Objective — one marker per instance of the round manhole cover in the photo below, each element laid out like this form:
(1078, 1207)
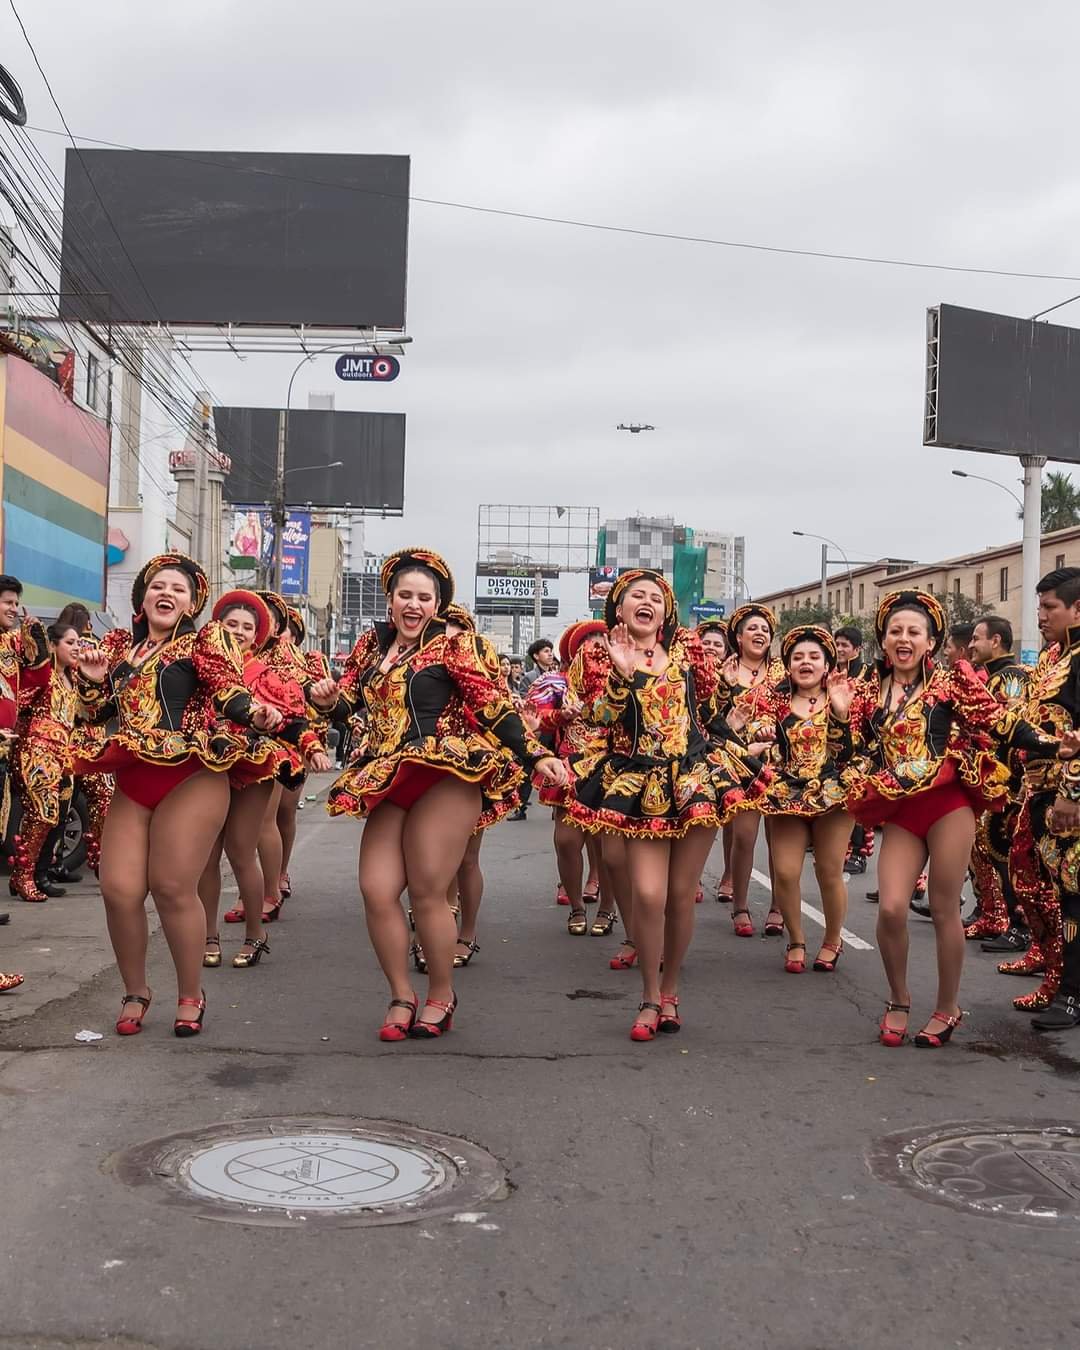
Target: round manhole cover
(1026, 1173)
(295, 1171)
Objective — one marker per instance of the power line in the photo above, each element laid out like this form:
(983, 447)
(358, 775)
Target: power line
(571, 222)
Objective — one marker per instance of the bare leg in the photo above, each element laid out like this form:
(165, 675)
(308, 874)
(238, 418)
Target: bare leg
(183, 829)
(613, 852)
(269, 850)
(686, 860)
(286, 820)
(723, 886)
(470, 887)
(568, 841)
(437, 829)
(648, 861)
(950, 841)
(592, 852)
(243, 829)
(210, 891)
(790, 836)
(124, 887)
(382, 879)
(831, 834)
(902, 858)
(744, 833)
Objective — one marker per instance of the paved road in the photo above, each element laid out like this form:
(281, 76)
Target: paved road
(705, 1190)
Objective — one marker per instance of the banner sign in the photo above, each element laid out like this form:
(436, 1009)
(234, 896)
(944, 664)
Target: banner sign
(252, 548)
(709, 609)
(512, 590)
(601, 580)
(357, 366)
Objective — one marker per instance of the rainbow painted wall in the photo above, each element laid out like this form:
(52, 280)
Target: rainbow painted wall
(54, 490)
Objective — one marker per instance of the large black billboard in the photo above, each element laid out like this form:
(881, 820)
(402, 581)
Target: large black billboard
(216, 238)
(998, 383)
(370, 446)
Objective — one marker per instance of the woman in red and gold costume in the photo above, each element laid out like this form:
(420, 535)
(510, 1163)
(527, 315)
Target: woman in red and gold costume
(89, 737)
(713, 634)
(808, 719)
(931, 735)
(43, 763)
(423, 775)
(657, 780)
(177, 696)
(247, 618)
(750, 674)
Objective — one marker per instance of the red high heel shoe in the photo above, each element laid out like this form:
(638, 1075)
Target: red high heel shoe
(699, 895)
(667, 1023)
(744, 924)
(934, 1040)
(399, 1031)
(272, 914)
(646, 1031)
(430, 1030)
(791, 965)
(235, 915)
(131, 1026)
(561, 898)
(187, 1026)
(625, 959)
(591, 894)
(820, 963)
(888, 1035)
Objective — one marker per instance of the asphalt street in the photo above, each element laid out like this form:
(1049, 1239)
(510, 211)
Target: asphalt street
(707, 1189)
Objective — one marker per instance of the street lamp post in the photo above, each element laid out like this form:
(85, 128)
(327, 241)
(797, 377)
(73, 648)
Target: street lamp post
(825, 546)
(279, 515)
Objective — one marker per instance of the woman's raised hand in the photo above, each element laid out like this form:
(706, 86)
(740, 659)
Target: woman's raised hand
(622, 651)
(841, 693)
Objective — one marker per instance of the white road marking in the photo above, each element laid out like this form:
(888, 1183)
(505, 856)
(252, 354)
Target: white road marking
(850, 939)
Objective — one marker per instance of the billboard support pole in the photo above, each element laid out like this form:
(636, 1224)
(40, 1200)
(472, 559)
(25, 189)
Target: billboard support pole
(515, 633)
(1029, 629)
(279, 503)
(201, 532)
(538, 596)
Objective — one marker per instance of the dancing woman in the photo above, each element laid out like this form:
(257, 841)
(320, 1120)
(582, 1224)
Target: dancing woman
(167, 686)
(809, 716)
(247, 618)
(749, 670)
(931, 733)
(43, 765)
(88, 739)
(656, 781)
(421, 774)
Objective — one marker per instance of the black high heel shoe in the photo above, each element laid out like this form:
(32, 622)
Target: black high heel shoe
(245, 960)
(184, 1026)
(602, 924)
(419, 960)
(460, 962)
(934, 1040)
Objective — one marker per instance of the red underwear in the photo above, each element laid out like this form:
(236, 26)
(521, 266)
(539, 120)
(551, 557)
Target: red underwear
(919, 814)
(409, 784)
(150, 784)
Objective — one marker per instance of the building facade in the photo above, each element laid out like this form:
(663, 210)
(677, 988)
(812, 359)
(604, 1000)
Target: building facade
(851, 593)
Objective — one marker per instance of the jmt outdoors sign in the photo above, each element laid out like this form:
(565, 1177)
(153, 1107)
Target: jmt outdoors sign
(512, 590)
(359, 367)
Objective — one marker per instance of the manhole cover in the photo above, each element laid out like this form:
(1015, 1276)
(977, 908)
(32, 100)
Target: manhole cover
(1026, 1173)
(302, 1170)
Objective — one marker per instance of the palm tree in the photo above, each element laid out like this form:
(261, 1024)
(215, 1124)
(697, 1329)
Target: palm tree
(1060, 502)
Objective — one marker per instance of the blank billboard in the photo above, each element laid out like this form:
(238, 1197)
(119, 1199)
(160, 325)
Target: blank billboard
(217, 238)
(1001, 384)
(370, 446)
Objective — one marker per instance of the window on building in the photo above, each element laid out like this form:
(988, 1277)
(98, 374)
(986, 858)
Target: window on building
(93, 375)
(862, 600)
(956, 587)
(1059, 561)
(1003, 584)
(978, 587)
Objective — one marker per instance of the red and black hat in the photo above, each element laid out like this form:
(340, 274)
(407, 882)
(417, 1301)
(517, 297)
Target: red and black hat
(255, 603)
(405, 558)
(279, 609)
(178, 562)
(581, 632)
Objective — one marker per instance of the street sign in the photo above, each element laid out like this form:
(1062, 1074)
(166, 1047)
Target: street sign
(357, 366)
(708, 610)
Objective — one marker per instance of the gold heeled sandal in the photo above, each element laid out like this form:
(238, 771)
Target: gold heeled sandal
(212, 959)
(244, 960)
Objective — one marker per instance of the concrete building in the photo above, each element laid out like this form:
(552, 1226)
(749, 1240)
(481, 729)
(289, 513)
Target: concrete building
(641, 541)
(853, 593)
(325, 570)
(725, 565)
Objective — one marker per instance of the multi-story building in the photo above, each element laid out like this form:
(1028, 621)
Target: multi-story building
(725, 565)
(700, 564)
(853, 593)
(641, 541)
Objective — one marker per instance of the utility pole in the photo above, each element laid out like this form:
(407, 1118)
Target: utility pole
(538, 605)
(279, 513)
(201, 541)
(824, 576)
(1029, 627)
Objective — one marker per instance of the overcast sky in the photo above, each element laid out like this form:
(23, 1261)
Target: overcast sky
(786, 392)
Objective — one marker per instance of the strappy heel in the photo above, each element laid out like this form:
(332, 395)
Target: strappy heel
(419, 960)
(399, 1031)
(285, 886)
(773, 929)
(430, 1030)
(185, 1026)
(272, 914)
(578, 923)
(888, 1035)
(131, 1026)
(791, 965)
(744, 924)
(590, 897)
(934, 1040)
(667, 1023)
(603, 923)
(624, 959)
(646, 1031)
(460, 962)
(829, 966)
(245, 960)
(212, 959)
(235, 915)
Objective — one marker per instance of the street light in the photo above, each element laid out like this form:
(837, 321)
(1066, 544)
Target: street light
(825, 544)
(279, 514)
(963, 473)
